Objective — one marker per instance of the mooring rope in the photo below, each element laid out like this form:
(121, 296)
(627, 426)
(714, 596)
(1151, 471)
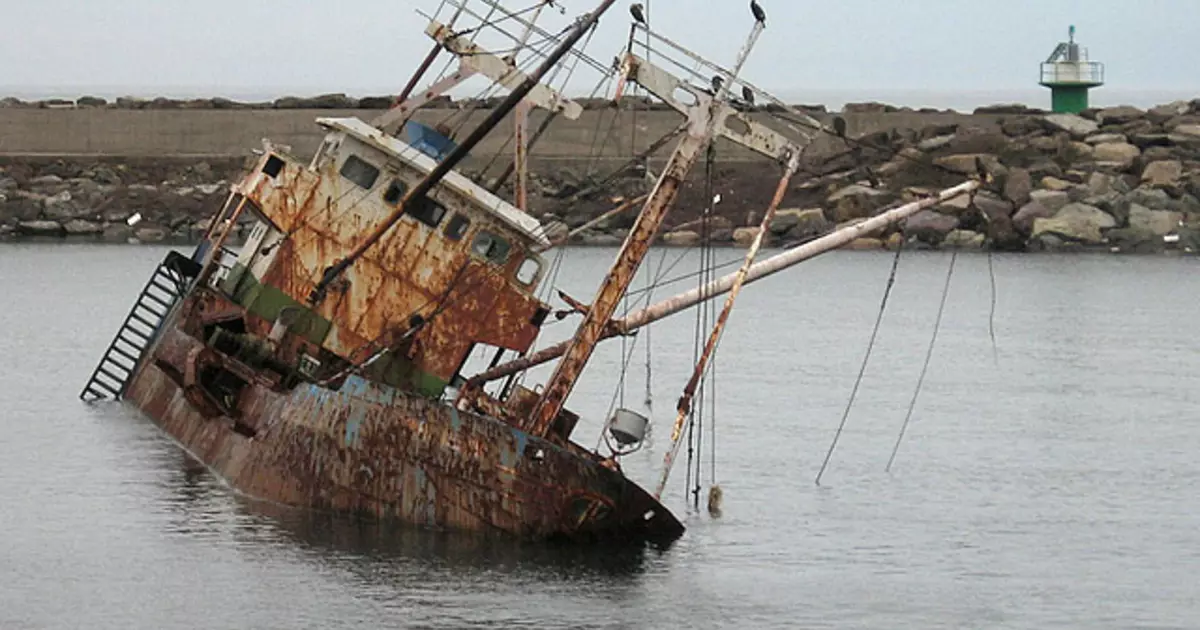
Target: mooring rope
(928, 355)
(863, 368)
(992, 311)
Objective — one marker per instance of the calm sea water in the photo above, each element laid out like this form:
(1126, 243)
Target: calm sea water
(1046, 481)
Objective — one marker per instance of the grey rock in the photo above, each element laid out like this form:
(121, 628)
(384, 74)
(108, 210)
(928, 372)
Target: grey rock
(1163, 173)
(79, 227)
(857, 201)
(1106, 138)
(681, 238)
(1163, 113)
(1100, 183)
(1144, 141)
(929, 226)
(935, 143)
(1119, 153)
(118, 233)
(22, 205)
(1152, 198)
(806, 224)
(1018, 186)
(151, 234)
(1156, 222)
(1119, 115)
(1023, 219)
(1052, 200)
(40, 228)
(1076, 222)
(1191, 129)
(62, 206)
(966, 163)
(963, 239)
(991, 206)
(45, 181)
(1023, 126)
(1077, 126)
(1134, 241)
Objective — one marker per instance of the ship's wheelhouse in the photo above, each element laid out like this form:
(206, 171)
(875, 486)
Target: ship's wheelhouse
(459, 269)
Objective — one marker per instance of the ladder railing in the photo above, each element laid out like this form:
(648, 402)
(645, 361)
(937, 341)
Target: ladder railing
(168, 282)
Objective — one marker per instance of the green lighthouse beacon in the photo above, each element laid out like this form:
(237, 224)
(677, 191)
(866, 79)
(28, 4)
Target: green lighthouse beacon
(1070, 75)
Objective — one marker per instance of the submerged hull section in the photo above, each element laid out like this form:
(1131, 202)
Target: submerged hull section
(371, 450)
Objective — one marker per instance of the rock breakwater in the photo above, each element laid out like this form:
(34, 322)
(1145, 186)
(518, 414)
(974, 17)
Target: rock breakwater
(1118, 179)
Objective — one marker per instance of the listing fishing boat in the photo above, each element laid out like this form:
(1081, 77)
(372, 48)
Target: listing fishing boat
(323, 363)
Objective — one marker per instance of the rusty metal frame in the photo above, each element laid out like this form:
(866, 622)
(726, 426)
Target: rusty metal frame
(684, 407)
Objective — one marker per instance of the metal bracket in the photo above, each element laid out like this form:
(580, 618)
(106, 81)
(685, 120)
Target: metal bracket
(666, 86)
(475, 60)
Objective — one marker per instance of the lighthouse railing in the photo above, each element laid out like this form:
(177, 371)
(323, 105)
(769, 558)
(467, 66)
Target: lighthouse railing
(1091, 72)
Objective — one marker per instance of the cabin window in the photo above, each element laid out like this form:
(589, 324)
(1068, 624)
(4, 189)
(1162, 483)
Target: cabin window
(457, 227)
(395, 192)
(427, 211)
(273, 166)
(528, 271)
(490, 246)
(359, 171)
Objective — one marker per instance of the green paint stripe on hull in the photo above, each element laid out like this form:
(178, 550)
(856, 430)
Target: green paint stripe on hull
(267, 301)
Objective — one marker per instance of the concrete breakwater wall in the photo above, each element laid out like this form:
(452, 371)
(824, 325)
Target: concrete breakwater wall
(1118, 179)
(604, 133)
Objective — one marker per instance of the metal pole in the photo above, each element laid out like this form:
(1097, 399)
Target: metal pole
(494, 117)
(758, 270)
(591, 330)
(684, 407)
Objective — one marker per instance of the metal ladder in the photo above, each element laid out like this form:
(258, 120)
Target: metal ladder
(160, 294)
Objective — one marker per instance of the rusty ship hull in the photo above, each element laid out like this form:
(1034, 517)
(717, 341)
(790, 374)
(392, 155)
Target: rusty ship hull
(370, 450)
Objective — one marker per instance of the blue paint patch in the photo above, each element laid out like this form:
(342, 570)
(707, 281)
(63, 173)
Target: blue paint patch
(509, 457)
(455, 420)
(358, 413)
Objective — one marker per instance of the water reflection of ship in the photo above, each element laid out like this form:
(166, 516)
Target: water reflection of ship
(361, 543)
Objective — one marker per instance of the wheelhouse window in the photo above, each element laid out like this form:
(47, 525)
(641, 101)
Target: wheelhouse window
(490, 246)
(457, 227)
(359, 171)
(395, 192)
(427, 211)
(529, 270)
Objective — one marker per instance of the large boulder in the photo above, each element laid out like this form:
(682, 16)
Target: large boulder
(857, 202)
(681, 238)
(1077, 126)
(1162, 113)
(1052, 200)
(1134, 240)
(1018, 186)
(1163, 173)
(1119, 154)
(744, 236)
(809, 224)
(1156, 222)
(963, 239)
(928, 226)
(1119, 115)
(1076, 222)
(40, 228)
(21, 205)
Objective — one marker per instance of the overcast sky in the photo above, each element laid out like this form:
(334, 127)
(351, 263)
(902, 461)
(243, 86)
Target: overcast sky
(810, 52)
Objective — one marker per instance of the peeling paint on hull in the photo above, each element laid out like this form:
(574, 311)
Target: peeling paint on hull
(374, 451)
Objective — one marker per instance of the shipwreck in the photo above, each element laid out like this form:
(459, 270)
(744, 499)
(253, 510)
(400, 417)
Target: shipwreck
(322, 362)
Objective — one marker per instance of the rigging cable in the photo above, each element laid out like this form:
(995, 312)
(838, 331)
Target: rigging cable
(863, 368)
(992, 310)
(928, 354)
